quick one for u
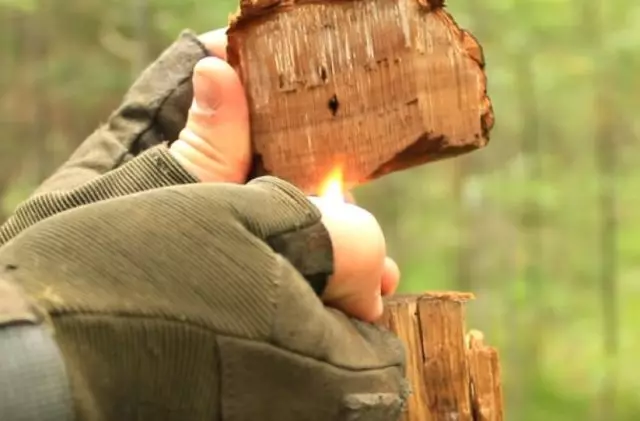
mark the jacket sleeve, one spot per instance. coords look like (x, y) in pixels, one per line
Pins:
(154, 110)
(153, 169)
(187, 309)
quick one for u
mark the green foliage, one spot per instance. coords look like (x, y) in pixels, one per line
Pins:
(524, 232)
(22, 5)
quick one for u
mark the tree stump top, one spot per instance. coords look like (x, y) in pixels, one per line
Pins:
(452, 373)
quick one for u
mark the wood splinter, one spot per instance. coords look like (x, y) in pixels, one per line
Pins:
(453, 376)
(370, 86)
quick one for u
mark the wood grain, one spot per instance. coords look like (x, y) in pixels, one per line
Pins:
(372, 86)
(453, 376)
(485, 376)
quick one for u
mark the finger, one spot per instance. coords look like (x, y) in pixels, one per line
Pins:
(390, 277)
(216, 136)
(215, 42)
(365, 307)
(358, 253)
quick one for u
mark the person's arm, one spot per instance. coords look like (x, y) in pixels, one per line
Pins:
(194, 305)
(127, 154)
(154, 168)
(153, 111)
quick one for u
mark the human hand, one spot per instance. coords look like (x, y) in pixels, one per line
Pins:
(363, 273)
(215, 144)
(208, 303)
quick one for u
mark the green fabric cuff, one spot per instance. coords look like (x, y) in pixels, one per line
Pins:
(155, 168)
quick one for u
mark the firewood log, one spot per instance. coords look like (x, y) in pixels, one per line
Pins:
(367, 86)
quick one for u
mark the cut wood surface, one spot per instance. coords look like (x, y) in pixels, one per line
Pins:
(371, 86)
(453, 375)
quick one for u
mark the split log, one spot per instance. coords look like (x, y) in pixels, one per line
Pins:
(371, 86)
(453, 376)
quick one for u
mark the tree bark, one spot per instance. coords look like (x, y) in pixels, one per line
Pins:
(605, 131)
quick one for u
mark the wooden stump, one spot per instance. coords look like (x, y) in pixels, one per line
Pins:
(370, 86)
(453, 376)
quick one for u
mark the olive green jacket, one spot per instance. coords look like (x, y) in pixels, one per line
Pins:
(128, 291)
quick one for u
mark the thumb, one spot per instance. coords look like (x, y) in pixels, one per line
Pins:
(215, 143)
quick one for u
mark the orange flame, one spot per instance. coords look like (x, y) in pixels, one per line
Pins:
(332, 188)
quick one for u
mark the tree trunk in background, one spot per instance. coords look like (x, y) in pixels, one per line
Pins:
(605, 116)
(6, 128)
(609, 262)
(3, 187)
(464, 257)
(12, 28)
(530, 324)
(40, 37)
(141, 15)
(464, 169)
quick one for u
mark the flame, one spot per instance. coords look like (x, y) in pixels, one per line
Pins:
(332, 188)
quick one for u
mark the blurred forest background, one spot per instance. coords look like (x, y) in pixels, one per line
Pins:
(543, 225)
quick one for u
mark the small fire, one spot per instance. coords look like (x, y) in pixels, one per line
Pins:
(332, 189)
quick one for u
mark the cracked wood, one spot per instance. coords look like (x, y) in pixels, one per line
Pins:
(373, 86)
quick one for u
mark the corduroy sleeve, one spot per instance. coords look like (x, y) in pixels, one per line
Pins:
(154, 168)
(183, 311)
